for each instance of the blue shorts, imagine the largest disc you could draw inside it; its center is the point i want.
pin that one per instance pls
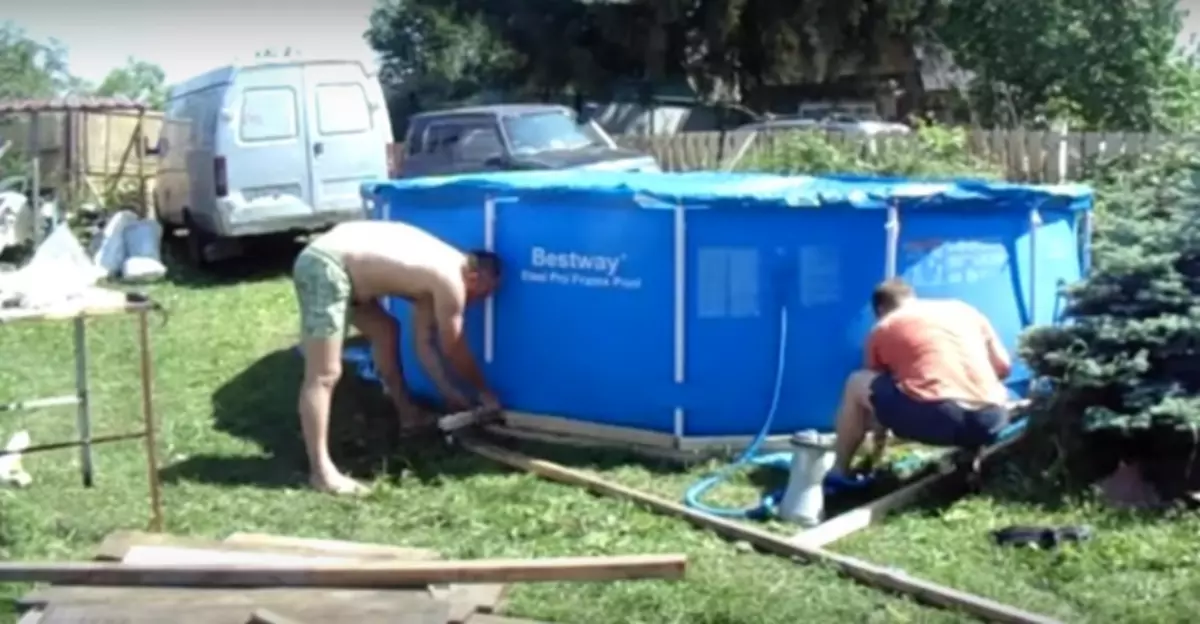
(938, 423)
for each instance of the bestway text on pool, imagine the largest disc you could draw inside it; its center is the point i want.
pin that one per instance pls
(570, 268)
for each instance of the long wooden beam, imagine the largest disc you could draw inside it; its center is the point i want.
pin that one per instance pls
(360, 575)
(863, 571)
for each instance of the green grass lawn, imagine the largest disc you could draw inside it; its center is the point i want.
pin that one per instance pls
(226, 383)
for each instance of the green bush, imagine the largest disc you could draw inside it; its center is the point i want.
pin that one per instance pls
(930, 152)
(1124, 371)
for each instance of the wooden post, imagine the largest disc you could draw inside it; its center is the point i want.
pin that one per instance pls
(35, 174)
(141, 163)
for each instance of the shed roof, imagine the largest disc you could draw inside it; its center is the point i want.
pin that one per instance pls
(70, 103)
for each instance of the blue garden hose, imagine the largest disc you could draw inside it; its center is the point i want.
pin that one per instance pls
(749, 456)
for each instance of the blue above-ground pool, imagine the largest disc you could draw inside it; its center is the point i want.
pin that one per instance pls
(651, 302)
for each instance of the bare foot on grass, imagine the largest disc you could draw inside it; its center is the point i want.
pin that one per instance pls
(338, 484)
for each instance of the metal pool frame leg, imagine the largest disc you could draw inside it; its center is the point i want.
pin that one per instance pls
(83, 410)
(151, 437)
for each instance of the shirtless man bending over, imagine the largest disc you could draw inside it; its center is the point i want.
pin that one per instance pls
(934, 374)
(340, 278)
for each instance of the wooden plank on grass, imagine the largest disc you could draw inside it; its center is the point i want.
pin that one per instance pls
(219, 569)
(464, 599)
(359, 550)
(135, 612)
(859, 518)
(31, 616)
(360, 603)
(117, 544)
(863, 571)
(484, 618)
(266, 616)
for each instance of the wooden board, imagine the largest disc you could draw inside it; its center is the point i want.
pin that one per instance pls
(484, 618)
(220, 569)
(464, 599)
(360, 550)
(32, 616)
(266, 616)
(192, 598)
(416, 611)
(117, 545)
(864, 571)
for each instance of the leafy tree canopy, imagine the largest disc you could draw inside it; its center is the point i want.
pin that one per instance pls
(29, 68)
(138, 80)
(1098, 63)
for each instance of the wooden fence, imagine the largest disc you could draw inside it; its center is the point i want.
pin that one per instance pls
(92, 150)
(1024, 155)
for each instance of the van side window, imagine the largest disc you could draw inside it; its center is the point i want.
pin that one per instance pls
(342, 109)
(268, 114)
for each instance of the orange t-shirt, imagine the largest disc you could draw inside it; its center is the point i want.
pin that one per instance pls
(940, 350)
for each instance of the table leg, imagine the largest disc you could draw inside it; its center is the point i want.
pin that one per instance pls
(156, 511)
(83, 412)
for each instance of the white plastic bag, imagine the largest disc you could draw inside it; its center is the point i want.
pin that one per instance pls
(143, 262)
(15, 222)
(12, 473)
(60, 270)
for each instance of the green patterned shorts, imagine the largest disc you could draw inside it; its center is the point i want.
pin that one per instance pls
(323, 290)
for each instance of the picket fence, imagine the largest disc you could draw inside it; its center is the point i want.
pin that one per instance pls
(1036, 156)
(1025, 155)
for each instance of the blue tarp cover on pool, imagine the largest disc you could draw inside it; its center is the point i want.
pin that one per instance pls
(727, 190)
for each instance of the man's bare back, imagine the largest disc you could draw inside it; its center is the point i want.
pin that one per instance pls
(341, 277)
(386, 258)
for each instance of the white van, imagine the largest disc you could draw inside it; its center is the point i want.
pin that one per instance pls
(275, 146)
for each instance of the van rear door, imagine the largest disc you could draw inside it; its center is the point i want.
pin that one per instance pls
(348, 133)
(267, 168)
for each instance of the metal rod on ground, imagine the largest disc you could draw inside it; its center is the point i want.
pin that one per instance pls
(863, 571)
(360, 575)
(58, 446)
(83, 409)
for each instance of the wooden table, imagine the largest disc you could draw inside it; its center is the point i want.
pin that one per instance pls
(97, 302)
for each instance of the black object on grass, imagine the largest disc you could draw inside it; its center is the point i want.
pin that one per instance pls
(1042, 537)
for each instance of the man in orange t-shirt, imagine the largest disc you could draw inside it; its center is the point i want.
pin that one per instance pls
(934, 374)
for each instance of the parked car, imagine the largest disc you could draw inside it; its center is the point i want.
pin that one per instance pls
(276, 146)
(510, 137)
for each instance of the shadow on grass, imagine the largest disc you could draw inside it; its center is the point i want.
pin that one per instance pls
(263, 258)
(259, 405)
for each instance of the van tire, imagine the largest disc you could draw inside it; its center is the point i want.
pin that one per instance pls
(197, 243)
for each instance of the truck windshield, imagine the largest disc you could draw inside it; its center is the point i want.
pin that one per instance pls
(546, 131)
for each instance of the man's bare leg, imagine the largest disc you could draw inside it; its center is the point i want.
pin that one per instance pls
(383, 332)
(854, 419)
(880, 436)
(322, 369)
